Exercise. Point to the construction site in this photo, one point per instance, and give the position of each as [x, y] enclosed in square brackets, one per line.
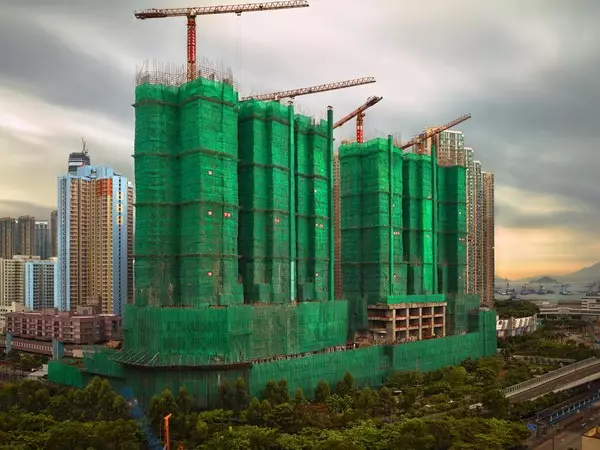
[267, 251]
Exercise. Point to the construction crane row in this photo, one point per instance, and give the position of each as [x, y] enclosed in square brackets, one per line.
[358, 113]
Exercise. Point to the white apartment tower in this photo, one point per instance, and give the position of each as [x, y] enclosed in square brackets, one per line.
[12, 285]
[39, 284]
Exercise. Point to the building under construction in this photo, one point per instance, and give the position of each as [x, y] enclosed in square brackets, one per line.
[234, 252]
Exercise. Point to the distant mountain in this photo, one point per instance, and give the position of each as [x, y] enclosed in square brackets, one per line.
[545, 280]
[591, 273]
[587, 274]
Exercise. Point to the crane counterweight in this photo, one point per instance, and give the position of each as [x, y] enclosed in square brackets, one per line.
[359, 113]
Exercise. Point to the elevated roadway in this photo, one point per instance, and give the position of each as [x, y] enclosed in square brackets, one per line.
[564, 378]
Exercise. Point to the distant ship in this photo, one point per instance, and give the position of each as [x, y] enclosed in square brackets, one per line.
[564, 290]
[541, 290]
[593, 289]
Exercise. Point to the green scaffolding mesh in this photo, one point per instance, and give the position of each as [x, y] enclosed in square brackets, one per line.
[365, 225]
[187, 195]
[208, 258]
[67, 372]
[369, 366]
[222, 335]
[264, 171]
[98, 360]
[217, 204]
[417, 209]
[156, 173]
[313, 199]
[452, 229]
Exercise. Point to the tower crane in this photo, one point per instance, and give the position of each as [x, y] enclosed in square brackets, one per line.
[359, 113]
[310, 90]
[419, 140]
[191, 13]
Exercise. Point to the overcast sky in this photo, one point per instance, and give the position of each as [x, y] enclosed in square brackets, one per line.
[526, 71]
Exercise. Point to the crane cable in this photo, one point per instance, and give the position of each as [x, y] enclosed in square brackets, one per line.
[238, 52]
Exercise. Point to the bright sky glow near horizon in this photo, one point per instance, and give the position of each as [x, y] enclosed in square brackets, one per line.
[526, 71]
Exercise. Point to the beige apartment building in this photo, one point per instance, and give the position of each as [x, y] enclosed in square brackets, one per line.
[12, 285]
[480, 212]
[26, 236]
[95, 240]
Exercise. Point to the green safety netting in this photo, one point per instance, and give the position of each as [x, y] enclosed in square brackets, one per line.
[264, 174]
[220, 199]
[313, 200]
[221, 335]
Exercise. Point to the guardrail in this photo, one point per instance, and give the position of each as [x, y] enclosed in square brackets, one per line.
[558, 373]
[544, 359]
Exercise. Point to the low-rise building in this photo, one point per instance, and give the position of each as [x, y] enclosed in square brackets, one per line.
[514, 326]
[590, 440]
[81, 326]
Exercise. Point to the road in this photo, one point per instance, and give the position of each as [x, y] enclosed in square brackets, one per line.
[554, 384]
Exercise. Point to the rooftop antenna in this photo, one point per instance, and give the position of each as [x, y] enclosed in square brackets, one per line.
[84, 145]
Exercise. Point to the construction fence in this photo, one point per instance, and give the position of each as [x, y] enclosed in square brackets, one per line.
[369, 366]
[223, 335]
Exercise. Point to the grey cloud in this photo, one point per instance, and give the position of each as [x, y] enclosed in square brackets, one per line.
[539, 137]
[11, 208]
[59, 75]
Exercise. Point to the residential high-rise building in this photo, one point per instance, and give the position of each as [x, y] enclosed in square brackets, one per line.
[488, 236]
[16, 248]
[42, 239]
[12, 285]
[480, 212]
[26, 227]
[476, 243]
[94, 239]
[130, 228]
[7, 237]
[450, 146]
[474, 191]
[39, 284]
[54, 233]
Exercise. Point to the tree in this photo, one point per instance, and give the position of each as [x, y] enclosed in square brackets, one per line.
[338, 404]
[485, 375]
[253, 415]
[322, 392]
[403, 380]
[242, 398]
[346, 386]
[160, 406]
[387, 402]
[270, 393]
[225, 396]
[283, 392]
[185, 402]
[495, 401]
[299, 397]
[367, 400]
[470, 365]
